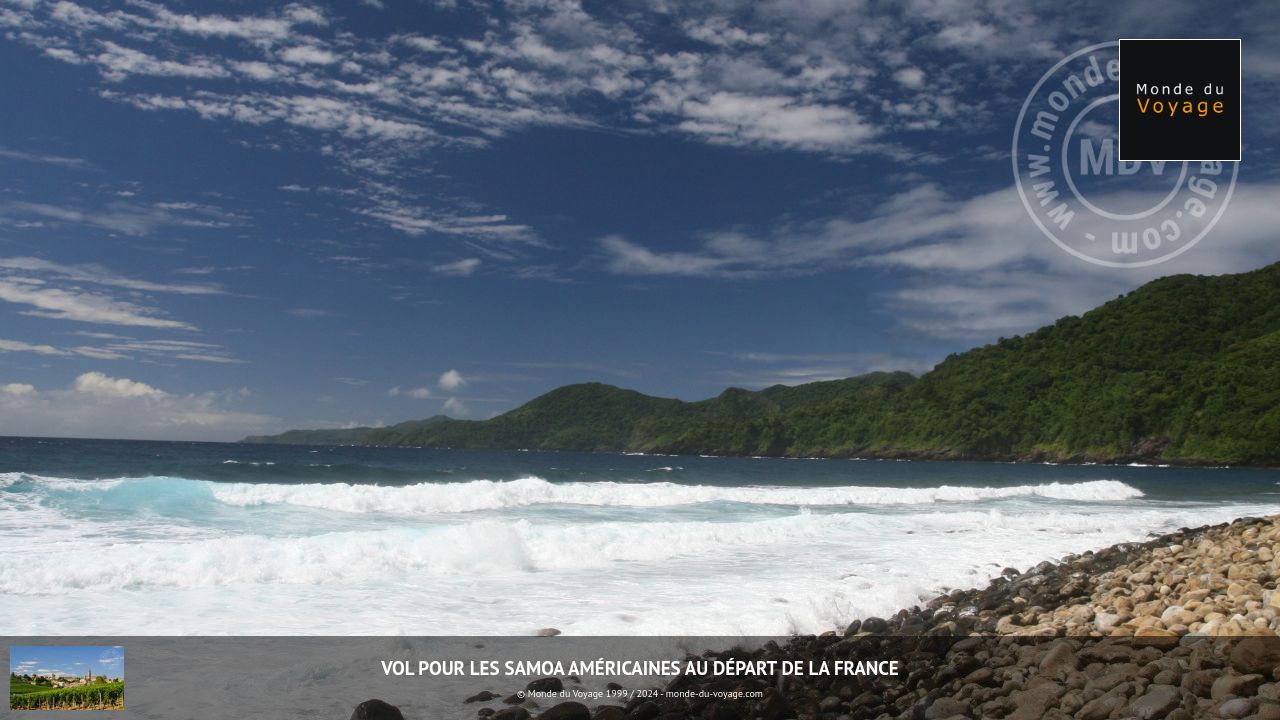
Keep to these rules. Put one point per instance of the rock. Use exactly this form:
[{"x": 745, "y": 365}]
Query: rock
[
  {"x": 829, "y": 703},
  {"x": 545, "y": 685},
  {"x": 1256, "y": 655},
  {"x": 609, "y": 712},
  {"x": 1059, "y": 660},
  {"x": 376, "y": 710},
  {"x": 874, "y": 625},
  {"x": 1158, "y": 702},
  {"x": 1103, "y": 622},
  {"x": 646, "y": 710},
  {"x": 566, "y": 711},
  {"x": 1156, "y": 637},
  {"x": 1200, "y": 682},
  {"x": 1031, "y": 704},
  {"x": 548, "y": 632},
  {"x": 723, "y": 711},
  {"x": 946, "y": 707},
  {"x": 1228, "y": 686},
  {"x": 482, "y": 696},
  {"x": 981, "y": 676},
  {"x": 1235, "y": 708},
  {"x": 511, "y": 713},
  {"x": 1100, "y": 708},
  {"x": 775, "y": 706}
]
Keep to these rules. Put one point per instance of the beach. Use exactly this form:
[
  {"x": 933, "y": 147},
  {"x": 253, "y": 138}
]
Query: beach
[{"x": 1178, "y": 626}]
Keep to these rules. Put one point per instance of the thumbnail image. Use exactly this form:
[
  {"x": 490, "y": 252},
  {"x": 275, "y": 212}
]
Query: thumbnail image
[{"x": 66, "y": 677}]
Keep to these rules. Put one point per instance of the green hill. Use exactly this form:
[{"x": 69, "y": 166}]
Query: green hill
[{"x": 1185, "y": 369}]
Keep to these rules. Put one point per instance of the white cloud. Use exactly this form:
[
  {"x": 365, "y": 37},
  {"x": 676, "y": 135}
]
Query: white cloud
[
  {"x": 912, "y": 77},
  {"x": 20, "y": 346},
  {"x": 83, "y": 306},
  {"x": 308, "y": 55},
  {"x": 96, "y": 405},
  {"x": 118, "y": 217},
  {"x": 972, "y": 268},
  {"x": 171, "y": 349},
  {"x": 459, "y": 268},
  {"x": 451, "y": 380},
  {"x": 69, "y": 162},
  {"x": 117, "y": 62},
  {"x": 95, "y": 383},
  {"x": 420, "y": 393},
  {"x": 455, "y": 407},
  {"x": 124, "y": 348},
  {"x": 309, "y": 312},
  {"x": 98, "y": 275},
  {"x": 56, "y": 291}
]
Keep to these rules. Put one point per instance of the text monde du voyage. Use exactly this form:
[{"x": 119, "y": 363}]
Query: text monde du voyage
[
  {"x": 603, "y": 667},
  {"x": 1179, "y": 99}
]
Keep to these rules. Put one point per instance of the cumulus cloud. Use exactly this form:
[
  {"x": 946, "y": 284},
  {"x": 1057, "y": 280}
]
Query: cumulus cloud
[
  {"x": 451, "y": 380},
  {"x": 95, "y": 383},
  {"x": 98, "y": 405},
  {"x": 455, "y": 407}
]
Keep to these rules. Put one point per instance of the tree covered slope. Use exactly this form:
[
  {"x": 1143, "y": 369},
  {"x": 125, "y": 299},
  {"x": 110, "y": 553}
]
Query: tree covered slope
[{"x": 1185, "y": 369}]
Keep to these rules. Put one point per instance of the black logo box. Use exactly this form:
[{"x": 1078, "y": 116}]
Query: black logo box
[{"x": 1181, "y": 65}]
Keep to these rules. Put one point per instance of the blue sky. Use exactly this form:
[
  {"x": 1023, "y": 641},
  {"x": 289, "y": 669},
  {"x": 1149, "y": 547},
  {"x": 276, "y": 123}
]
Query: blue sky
[
  {"x": 228, "y": 218},
  {"x": 67, "y": 660}
]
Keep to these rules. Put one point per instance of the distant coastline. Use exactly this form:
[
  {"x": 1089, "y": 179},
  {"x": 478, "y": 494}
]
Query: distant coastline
[{"x": 1183, "y": 371}]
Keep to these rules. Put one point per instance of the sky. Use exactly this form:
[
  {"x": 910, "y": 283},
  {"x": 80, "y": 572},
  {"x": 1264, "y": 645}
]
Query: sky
[
  {"x": 67, "y": 660},
  {"x": 221, "y": 219}
]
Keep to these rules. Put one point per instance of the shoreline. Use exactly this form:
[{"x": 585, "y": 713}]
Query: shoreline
[
  {"x": 1026, "y": 458},
  {"x": 1182, "y": 625},
  {"x": 1176, "y": 583}
]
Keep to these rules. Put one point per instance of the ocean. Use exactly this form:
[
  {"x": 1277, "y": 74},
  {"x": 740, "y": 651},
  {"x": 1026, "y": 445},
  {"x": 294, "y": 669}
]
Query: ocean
[{"x": 149, "y": 538}]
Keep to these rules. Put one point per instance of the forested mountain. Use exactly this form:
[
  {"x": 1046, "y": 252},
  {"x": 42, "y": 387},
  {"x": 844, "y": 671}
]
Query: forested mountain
[{"x": 1185, "y": 369}]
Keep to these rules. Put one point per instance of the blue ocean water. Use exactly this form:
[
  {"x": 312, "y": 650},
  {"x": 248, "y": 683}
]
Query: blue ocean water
[{"x": 119, "y": 537}]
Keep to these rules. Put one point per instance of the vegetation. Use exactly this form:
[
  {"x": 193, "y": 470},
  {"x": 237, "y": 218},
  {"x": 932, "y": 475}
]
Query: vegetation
[
  {"x": 1184, "y": 370},
  {"x": 99, "y": 696}
]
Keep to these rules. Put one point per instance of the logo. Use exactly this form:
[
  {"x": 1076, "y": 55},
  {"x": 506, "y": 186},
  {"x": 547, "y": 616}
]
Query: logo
[{"x": 1093, "y": 205}]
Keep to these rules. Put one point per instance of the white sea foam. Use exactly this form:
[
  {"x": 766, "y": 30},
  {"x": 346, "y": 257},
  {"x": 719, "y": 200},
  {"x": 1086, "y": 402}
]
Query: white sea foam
[
  {"x": 492, "y": 495},
  {"x": 504, "y": 547},
  {"x": 808, "y": 571},
  {"x": 173, "y": 555},
  {"x": 10, "y": 479}
]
